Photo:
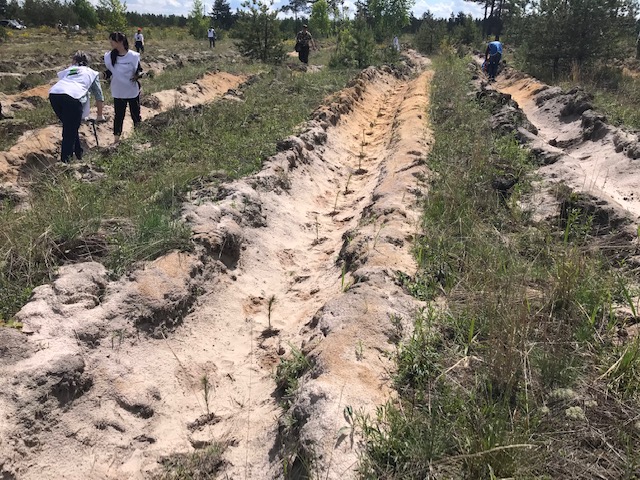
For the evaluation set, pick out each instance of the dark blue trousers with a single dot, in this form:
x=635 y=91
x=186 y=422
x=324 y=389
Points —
x=69 y=111
x=492 y=66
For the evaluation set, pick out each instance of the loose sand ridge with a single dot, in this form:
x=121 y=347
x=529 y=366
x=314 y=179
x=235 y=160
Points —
x=110 y=378
x=589 y=155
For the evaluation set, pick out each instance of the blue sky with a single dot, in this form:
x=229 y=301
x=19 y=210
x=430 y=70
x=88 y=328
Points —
x=440 y=8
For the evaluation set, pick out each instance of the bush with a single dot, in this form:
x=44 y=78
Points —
x=355 y=46
x=258 y=30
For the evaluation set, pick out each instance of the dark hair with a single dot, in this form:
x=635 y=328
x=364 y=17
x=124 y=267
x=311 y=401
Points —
x=80 y=58
x=118 y=37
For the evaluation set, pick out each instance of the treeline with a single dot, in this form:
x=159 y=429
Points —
x=550 y=39
x=35 y=13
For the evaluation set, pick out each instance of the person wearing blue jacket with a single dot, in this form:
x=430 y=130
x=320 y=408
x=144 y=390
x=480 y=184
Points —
x=492 y=57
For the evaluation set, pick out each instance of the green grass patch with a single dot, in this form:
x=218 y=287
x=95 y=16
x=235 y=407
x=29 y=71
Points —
x=504 y=381
x=198 y=465
x=288 y=374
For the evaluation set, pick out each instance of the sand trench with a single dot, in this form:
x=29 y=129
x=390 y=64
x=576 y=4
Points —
x=109 y=379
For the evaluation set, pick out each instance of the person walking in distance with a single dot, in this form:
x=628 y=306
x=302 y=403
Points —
x=123 y=67
x=139 y=39
x=492 y=57
x=211 y=34
x=304 y=41
x=69 y=99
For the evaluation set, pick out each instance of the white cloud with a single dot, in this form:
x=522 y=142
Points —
x=445 y=9
x=440 y=9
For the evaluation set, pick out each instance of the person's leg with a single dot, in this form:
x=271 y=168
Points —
x=214 y=43
x=491 y=69
x=69 y=111
x=304 y=54
x=77 y=147
x=134 y=109
x=120 y=108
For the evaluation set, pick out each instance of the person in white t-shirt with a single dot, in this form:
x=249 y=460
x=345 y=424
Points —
x=211 y=34
x=123 y=67
x=69 y=99
x=139 y=39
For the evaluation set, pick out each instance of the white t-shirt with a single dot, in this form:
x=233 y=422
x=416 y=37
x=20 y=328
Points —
x=138 y=37
x=211 y=33
x=122 y=85
x=75 y=81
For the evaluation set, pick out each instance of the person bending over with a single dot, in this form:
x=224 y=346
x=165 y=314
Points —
x=492 y=57
x=69 y=99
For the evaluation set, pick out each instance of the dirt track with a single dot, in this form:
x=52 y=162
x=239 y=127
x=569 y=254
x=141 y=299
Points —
x=99 y=390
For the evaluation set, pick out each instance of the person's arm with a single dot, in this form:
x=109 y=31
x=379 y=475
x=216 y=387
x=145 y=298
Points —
x=486 y=53
x=139 y=73
x=96 y=91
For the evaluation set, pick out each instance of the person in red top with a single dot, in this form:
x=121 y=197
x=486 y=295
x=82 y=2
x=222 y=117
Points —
x=139 y=39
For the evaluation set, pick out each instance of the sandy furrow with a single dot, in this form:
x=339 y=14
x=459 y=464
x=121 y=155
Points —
x=311 y=231
x=595 y=163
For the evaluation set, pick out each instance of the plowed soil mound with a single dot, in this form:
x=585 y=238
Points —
x=108 y=377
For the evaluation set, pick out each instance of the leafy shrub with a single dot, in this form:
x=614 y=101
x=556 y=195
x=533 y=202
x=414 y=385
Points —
x=355 y=47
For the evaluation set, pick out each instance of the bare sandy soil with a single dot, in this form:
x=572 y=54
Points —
x=106 y=377
x=582 y=150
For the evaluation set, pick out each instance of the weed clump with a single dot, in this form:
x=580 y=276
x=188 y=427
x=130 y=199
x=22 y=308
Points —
x=199 y=465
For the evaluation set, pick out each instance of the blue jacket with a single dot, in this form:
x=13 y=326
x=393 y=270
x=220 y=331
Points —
x=494 y=48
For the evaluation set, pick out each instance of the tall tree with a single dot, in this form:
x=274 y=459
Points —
x=221 y=14
x=87 y=16
x=387 y=17
x=198 y=23
x=430 y=34
x=296 y=7
x=258 y=29
x=319 y=19
x=113 y=13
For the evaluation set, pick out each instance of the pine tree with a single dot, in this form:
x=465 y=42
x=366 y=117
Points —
x=259 y=32
x=221 y=14
x=114 y=15
x=197 y=21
